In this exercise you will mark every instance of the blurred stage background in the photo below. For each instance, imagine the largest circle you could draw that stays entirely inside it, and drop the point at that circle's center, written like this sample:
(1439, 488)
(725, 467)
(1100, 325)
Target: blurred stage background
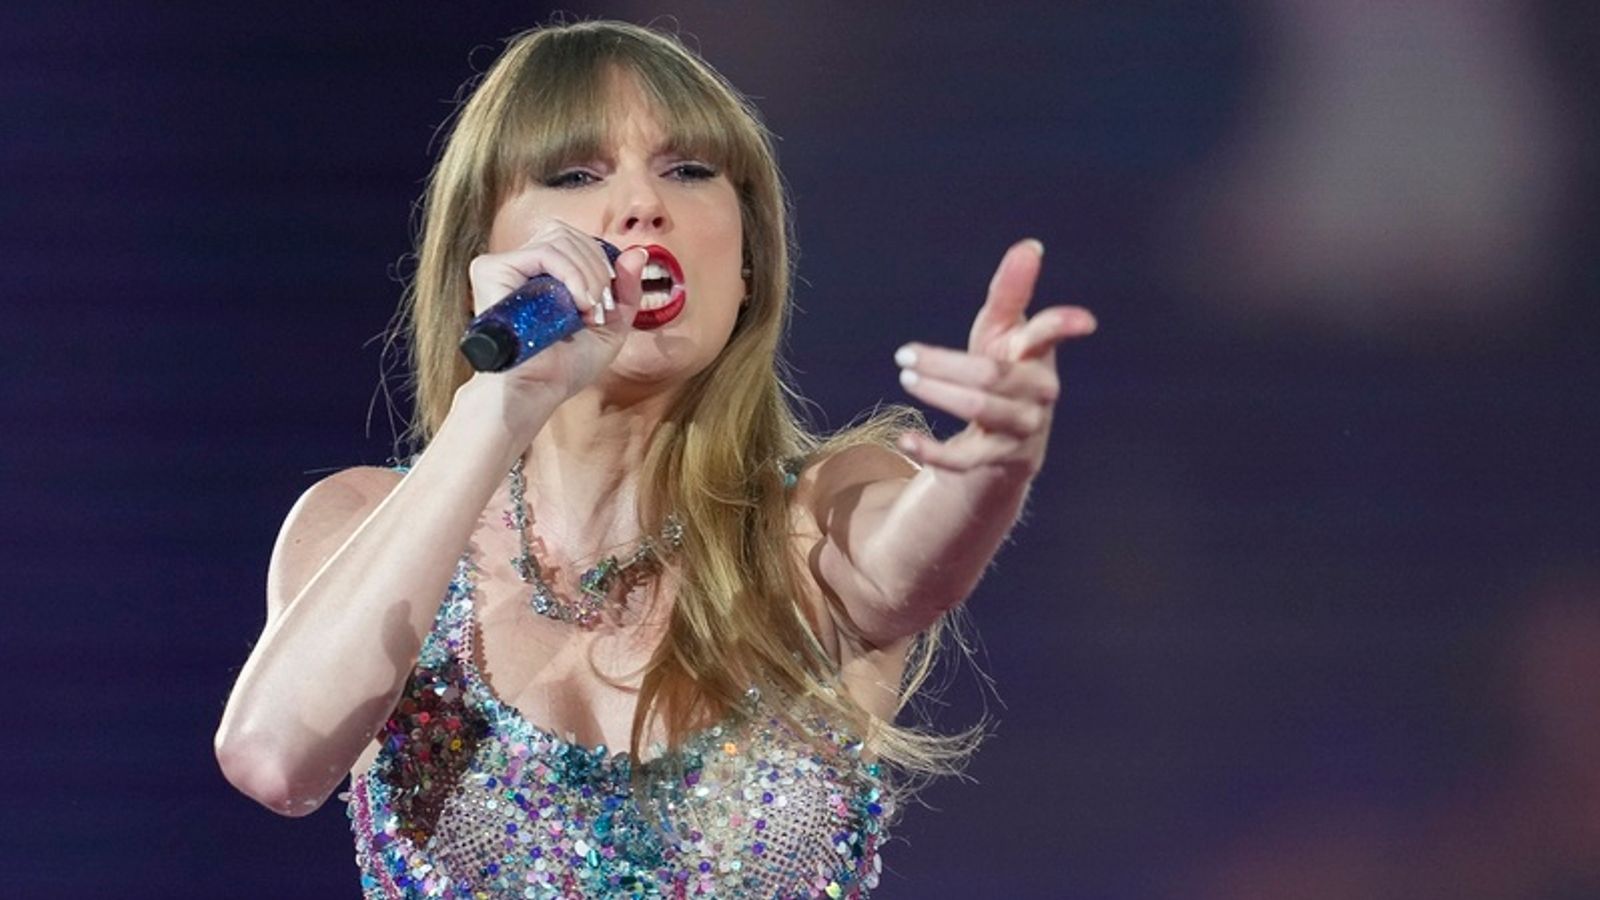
(1307, 604)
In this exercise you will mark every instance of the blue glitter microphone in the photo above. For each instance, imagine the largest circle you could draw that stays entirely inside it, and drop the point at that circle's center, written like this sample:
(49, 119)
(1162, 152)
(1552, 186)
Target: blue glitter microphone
(532, 318)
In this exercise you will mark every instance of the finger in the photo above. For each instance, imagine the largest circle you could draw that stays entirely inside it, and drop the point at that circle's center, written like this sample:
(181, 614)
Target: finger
(991, 412)
(628, 287)
(1048, 328)
(1030, 380)
(964, 452)
(585, 286)
(588, 252)
(589, 279)
(495, 275)
(575, 245)
(1009, 292)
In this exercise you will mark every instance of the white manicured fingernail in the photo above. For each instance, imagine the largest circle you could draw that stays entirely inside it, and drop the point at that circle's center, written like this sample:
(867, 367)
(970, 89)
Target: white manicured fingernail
(606, 300)
(599, 314)
(905, 356)
(908, 377)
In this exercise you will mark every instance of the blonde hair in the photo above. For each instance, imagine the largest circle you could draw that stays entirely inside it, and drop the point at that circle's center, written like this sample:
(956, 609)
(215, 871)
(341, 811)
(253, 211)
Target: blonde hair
(739, 618)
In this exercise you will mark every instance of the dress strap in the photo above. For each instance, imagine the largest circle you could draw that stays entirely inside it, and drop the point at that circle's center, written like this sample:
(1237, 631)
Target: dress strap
(451, 636)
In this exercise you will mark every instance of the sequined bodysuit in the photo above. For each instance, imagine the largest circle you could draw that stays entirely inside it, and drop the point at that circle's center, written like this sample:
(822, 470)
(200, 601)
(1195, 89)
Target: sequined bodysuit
(467, 798)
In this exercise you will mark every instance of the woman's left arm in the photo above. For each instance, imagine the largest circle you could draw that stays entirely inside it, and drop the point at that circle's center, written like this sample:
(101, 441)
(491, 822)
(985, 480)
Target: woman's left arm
(899, 549)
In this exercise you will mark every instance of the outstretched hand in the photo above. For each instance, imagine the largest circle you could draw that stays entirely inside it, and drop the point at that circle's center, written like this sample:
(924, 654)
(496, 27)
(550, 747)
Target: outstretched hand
(1004, 385)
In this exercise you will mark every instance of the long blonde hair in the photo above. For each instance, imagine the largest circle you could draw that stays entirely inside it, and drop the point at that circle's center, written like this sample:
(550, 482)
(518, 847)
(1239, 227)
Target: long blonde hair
(739, 618)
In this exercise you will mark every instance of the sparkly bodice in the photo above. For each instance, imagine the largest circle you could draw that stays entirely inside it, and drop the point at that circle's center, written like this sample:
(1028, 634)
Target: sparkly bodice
(467, 798)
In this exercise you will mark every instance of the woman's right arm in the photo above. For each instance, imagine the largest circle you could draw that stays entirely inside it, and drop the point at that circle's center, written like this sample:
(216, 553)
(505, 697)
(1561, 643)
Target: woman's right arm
(365, 557)
(360, 568)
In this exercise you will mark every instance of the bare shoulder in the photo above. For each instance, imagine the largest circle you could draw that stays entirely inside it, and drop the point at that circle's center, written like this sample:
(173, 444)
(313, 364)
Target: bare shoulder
(830, 486)
(318, 525)
(825, 481)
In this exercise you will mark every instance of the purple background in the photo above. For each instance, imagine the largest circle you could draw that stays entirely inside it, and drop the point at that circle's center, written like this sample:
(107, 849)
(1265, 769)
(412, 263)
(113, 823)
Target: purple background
(1300, 608)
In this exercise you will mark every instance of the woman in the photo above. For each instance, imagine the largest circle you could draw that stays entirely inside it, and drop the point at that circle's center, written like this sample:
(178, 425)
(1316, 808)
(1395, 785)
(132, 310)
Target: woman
(629, 541)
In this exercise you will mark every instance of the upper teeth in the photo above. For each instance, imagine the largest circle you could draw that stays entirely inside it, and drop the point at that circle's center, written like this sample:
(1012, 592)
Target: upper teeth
(656, 270)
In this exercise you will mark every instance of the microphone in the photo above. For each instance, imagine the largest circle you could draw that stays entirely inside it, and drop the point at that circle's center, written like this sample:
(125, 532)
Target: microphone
(528, 320)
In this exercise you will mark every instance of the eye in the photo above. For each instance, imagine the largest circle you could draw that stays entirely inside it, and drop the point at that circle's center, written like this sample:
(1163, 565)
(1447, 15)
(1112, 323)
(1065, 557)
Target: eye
(571, 178)
(692, 171)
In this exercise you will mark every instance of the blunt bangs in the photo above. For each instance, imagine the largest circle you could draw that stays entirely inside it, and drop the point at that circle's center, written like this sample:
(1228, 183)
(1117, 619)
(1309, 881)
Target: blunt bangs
(558, 110)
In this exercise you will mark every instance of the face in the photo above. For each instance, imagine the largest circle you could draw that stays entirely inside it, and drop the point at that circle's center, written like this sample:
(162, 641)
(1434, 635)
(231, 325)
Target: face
(639, 193)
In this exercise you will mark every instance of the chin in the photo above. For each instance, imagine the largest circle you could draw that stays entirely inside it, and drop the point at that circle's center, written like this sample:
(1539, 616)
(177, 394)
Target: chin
(656, 364)
(665, 357)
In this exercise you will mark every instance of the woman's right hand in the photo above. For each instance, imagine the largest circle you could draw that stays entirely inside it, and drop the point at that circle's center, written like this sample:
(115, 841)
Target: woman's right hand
(366, 555)
(608, 301)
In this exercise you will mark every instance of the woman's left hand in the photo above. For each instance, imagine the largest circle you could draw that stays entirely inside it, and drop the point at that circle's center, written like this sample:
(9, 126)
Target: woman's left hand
(1004, 385)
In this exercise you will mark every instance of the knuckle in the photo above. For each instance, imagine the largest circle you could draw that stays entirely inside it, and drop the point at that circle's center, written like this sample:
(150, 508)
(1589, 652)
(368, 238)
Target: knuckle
(1032, 419)
(991, 373)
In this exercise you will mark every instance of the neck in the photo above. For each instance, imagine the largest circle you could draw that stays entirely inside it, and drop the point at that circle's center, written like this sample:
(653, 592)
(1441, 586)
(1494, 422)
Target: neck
(583, 471)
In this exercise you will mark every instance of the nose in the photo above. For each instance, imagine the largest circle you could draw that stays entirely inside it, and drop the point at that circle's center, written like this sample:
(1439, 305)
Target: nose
(653, 221)
(640, 207)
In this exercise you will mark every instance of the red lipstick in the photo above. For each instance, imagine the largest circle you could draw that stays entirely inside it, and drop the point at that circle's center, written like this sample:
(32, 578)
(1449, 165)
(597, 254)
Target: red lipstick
(649, 319)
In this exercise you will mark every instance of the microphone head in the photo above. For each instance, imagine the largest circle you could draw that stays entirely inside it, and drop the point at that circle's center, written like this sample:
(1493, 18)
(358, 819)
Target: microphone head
(489, 347)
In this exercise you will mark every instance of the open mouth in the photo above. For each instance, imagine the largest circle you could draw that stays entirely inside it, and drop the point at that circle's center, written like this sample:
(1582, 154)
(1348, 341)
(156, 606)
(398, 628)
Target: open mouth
(662, 284)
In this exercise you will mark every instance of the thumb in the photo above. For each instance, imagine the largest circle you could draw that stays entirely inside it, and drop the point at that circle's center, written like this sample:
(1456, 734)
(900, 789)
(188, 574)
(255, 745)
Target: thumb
(627, 288)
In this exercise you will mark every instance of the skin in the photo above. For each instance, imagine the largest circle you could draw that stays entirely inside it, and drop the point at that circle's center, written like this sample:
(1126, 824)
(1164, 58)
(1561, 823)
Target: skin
(368, 554)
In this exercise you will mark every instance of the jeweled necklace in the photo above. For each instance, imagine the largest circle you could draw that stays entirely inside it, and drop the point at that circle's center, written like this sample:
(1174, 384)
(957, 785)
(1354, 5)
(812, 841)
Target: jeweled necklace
(596, 583)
